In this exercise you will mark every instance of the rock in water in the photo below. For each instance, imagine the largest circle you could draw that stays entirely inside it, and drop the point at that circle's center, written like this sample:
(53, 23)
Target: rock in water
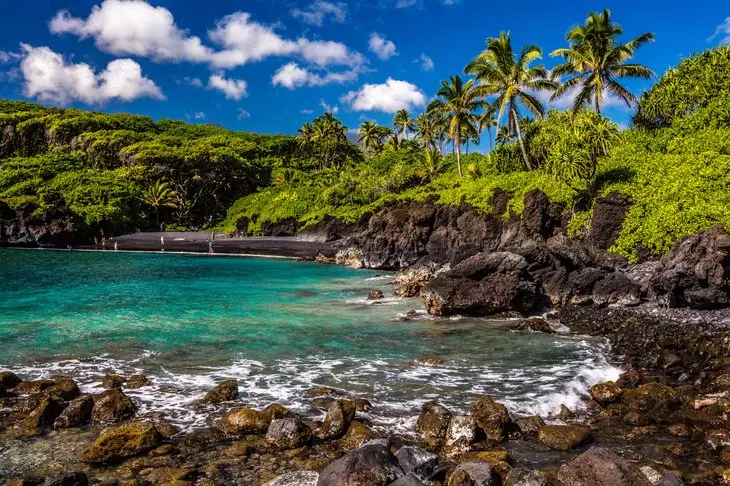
(298, 478)
(288, 433)
(223, 392)
(473, 474)
(77, 413)
(64, 387)
(370, 465)
(433, 422)
(30, 387)
(40, 418)
(525, 477)
(339, 415)
(606, 393)
(484, 284)
(529, 425)
(416, 460)
(462, 432)
(137, 381)
(492, 418)
(563, 437)
(110, 381)
(599, 467)
(112, 406)
(121, 442)
(9, 380)
(409, 479)
(246, 421)
(357, 435)
(376, 294)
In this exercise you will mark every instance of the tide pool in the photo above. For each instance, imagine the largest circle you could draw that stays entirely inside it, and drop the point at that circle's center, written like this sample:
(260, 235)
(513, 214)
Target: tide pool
(277, 326)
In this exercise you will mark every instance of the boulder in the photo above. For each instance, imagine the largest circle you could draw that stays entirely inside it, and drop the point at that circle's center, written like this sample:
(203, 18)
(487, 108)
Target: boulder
(112, 406)
(433, 422)
(492, 418)
(9, 380)
(370, 465)
(696, 271)
(223, 392)
(600, 467)
(137, 381)
(609, 213)
(41, 418)
(376, 294)
(67, 479)
(484, 284)
(462, 432)
(243, 421)
(563, 437)
(77, 413)
(671, 480)
(288, 433)
(339, 415)
(415, 460)
(128, 440)
(31, 387)
(534, 324)
(606, 393)
(648, 397)
(64, 387)
(529, 425)
(409, 479)
(298, 478)
(277, 411)
(110, 381)
(525, 477)
(473, 474)
(357, 435)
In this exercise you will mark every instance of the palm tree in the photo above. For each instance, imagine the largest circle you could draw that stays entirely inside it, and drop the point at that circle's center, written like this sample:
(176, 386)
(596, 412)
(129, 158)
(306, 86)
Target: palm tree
(370, 136)
(392, 140)
(500, 72)
(157, 195)
(456, 101)
(427, 129)
(306, 135)
(595, 59)
(403, 123)
(432, 162)
(486, 121)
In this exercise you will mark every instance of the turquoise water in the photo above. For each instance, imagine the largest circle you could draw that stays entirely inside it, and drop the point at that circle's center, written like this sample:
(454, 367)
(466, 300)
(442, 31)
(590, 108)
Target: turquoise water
(278, 326)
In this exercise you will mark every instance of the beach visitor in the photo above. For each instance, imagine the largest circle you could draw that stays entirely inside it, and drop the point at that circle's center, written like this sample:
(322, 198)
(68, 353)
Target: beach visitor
(116, 247)
(162, 240)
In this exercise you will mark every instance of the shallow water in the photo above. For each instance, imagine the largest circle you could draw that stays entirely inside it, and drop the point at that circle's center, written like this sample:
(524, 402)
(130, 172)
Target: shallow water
(279, 327)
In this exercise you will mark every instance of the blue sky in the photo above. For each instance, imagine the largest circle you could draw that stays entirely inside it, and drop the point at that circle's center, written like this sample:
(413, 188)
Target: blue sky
(270, 65)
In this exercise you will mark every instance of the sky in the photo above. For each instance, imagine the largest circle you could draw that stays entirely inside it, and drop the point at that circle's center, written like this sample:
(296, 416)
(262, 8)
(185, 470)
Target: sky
(270, 65)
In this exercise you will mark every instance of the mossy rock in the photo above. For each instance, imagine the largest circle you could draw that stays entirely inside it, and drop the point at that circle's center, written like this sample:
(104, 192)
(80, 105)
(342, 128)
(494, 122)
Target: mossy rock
(606, 393)
(357, 434)
(223, 392)
(492, 418)
(242, 421)
(563, 437)
(121, 442)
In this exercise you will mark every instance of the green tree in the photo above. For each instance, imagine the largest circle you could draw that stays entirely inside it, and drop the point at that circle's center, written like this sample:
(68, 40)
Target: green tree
(159, 195)
(403, 123)
(456, 101)
(427, 129)
(486, 121)
(595, 59)
(432, 162)
(512, 79)
(370, 137)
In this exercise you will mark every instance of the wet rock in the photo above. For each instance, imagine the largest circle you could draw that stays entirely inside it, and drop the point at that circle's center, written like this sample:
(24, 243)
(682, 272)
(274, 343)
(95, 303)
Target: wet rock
(223, 392)
(137, 381)
(500, 461)
(473, 474)
(529, 425)
(606, 393)
(78, 412)
(112, 406)
(121, 442)
(648, 397)
(671, 480)
(277, 411)
(408, 283)
(433, 422)
(64, 387)
(565, 413)
(244, 421)
(376, 294)
(110, 381)
(35, 386)
(288, 433)
(357, 435)
(462, 432)
(298, 478)
(41, 418)
(534, 324)
(492, 418)
(651, 474)
(487, 283)
(339, 415)
(525, 477)
(9, 380)
(72, 479)
(416, 460)
(409, 479)
(431, 361)
(630, 379)
(370, 465)
(563, 437)
(600, 467)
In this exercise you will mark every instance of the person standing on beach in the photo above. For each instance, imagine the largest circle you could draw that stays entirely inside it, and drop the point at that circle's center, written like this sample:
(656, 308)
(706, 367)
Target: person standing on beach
(116, 247)
(162, 240)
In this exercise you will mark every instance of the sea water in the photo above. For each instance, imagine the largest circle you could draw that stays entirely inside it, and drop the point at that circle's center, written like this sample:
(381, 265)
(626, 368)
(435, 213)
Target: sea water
(277, 326)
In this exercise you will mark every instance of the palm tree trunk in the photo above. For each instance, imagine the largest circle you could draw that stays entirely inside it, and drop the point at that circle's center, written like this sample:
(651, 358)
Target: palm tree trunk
(528, 165)
(457, 143)
(598, 105)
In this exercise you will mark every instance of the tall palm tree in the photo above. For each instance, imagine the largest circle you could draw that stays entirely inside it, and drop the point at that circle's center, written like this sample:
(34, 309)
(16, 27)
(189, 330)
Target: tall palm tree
(159, 195)
(456, 101)
(427, 129)
(306, 134)
(512, 79)
(403, 123)
(595, 59)
(486, 121)
(370, 136)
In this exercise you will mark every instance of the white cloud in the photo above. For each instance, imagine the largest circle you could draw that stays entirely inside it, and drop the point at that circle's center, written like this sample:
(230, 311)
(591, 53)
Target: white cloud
(9, 56)
(329, 108)
(234, 89)
(318, 12)
(382, 47)
(723, 32)
(389, 97)
(48, 77)
(133, 27)
(405, 3)
(243, 114)
(293, 76)
(426, 62)
(305, 111)
(198, 115)
(197, 82)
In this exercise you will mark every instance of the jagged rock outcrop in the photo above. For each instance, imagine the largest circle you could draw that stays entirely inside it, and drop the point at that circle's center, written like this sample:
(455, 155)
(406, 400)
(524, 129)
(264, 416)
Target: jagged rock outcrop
(27, 226)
